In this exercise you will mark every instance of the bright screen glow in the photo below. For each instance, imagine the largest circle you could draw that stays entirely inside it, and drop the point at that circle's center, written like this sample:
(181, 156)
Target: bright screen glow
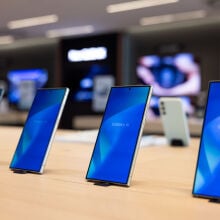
(23, 84)
(171, 75)
(207, 176)
(84, 90)
(87, 54)
(38, 130)
(114, 152)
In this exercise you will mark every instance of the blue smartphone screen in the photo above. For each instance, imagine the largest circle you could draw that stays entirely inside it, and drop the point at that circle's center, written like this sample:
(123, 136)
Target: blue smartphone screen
(41, 122)
(115, 147)
(207, 175)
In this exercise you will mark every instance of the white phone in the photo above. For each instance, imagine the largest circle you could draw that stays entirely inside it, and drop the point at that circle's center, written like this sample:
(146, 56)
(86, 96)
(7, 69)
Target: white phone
(101, 89)
(174, 121)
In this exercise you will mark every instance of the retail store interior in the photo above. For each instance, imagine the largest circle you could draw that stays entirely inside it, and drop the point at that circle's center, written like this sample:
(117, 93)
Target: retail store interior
(92, 47)
(124, 47)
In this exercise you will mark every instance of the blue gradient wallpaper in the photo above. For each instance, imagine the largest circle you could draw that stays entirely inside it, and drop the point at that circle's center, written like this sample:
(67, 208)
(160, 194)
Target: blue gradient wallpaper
(115, 146)
(207, 176)
(39, 126)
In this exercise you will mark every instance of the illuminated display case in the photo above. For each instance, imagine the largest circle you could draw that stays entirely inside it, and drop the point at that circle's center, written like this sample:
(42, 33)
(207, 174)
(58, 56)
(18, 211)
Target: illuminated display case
(86, 61)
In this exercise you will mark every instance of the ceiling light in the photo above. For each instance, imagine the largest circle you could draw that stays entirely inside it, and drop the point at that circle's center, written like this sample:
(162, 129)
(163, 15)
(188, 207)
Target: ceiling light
(132, 5)
(29, 22)
(172, 17)
(7, 39)
(70, 31)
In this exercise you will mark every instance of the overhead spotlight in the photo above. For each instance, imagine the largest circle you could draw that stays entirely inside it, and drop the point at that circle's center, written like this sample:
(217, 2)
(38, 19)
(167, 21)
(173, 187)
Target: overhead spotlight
(133, 5)
(35, 21)
(168, 18)
(71, 31)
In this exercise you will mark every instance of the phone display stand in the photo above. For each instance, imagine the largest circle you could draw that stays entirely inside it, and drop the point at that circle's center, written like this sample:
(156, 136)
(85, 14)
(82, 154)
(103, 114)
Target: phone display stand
(20, 171)
(215, 200)
(176, 142)
(105, 184)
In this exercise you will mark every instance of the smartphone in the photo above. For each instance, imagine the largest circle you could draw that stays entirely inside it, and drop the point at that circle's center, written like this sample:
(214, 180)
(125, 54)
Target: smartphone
(101, 88)
(207, 173)
(118, 138)
(174, 121)
(39, 129)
